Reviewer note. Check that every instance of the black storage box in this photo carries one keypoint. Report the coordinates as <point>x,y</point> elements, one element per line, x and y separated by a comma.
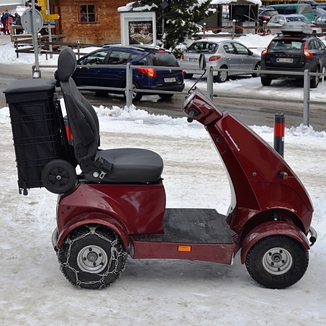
<point>37,128</point>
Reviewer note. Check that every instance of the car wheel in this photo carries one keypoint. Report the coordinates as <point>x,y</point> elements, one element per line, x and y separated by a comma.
<point>314,82</point>
<point>165,96</point>
<point>92,257</point>
<point>136,96</point>
<point>222,76</point>
<point>277,261</point>
<point>257,67</point>
<point>187,76</point>
<point>265,81</point>
<point>58,176</point>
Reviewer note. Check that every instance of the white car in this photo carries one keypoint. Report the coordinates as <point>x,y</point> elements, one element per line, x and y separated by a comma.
<point>276,22</point>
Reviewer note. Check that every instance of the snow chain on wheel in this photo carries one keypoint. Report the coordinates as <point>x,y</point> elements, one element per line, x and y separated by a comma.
<point>92,257</point>
<point>277,261</point>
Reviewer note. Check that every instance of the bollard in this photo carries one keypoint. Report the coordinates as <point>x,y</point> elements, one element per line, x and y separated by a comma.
<point>279,128</point>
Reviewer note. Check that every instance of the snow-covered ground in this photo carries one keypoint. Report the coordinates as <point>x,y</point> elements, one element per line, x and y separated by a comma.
<point>156,292</point>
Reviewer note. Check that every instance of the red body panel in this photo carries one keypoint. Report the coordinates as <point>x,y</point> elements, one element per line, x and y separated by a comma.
<point>220,253</point>
<point>133,209</point>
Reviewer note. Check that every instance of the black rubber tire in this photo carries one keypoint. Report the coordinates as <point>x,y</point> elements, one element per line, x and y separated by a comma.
<point>92,257</point>
<point>265,81</point>
<point>58,176</point>
<point>257,67</point>
<point>222,76</point>
<point>277,261</point>
<point>314,81</point>
<point>136,96</point>
<point>188,76</point>
<point>165,97</point>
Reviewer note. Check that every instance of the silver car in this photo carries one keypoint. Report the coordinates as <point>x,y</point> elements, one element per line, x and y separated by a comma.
<point>276,22</point>
<point>221,54</point>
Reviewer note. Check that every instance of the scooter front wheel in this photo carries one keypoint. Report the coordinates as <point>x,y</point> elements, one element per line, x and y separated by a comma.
<point>277,261</point>
<point>92,257</point>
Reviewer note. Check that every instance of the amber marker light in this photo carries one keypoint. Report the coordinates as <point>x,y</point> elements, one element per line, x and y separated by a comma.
<point>184,248</point>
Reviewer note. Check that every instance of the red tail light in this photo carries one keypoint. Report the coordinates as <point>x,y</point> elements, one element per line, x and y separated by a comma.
<point>264,52</point>
<point>307,53</point>
<point>214,58</point>
<point>150,72</point>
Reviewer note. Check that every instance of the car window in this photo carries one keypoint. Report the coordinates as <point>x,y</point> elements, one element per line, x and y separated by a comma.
<point>164,59</point>
<point>94,58</point>
<point>285,46</point>
<point>228,48</point>
<point>320,45</point>
<point>202,47</point>
<point>118,57</point>
<point>240,49</point>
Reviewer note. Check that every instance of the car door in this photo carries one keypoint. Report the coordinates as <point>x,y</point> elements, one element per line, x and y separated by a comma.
<point>320,52</point>
<point>88,73</point>
<point>231,57</point>
<point>114,75</point>
<point>244,57</point>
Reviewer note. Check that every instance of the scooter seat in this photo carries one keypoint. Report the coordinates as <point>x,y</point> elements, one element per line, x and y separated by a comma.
<point>131,165</point>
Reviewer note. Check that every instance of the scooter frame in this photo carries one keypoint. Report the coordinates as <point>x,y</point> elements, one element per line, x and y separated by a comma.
<point>269,206</point>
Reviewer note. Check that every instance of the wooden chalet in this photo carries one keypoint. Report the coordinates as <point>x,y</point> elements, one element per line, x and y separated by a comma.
<point>88,21</point>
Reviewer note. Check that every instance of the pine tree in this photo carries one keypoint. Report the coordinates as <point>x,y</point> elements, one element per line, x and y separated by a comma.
<point>180,18</point>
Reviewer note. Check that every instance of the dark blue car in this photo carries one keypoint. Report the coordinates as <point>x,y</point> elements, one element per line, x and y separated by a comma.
<point>111,70</point>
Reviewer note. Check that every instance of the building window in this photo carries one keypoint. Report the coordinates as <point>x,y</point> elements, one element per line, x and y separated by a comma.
<point>87,13</point>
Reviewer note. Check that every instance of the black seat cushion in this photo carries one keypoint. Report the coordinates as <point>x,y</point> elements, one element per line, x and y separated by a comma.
<point>132,165</point>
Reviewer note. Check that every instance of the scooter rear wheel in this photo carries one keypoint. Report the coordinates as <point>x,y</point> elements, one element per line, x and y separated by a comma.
<point>92,257</point>
<point>277,261</point>
<point>58,176</point>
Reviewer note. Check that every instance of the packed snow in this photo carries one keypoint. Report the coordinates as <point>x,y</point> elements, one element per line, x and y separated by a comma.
<point>157,292</point>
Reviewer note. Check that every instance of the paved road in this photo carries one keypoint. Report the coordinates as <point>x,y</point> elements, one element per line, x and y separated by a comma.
<point>251,112</point>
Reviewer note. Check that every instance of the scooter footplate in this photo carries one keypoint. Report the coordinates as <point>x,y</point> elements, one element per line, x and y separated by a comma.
<point>192,225</point>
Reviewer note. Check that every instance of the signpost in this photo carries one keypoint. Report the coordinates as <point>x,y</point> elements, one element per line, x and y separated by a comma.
<point>32,22</point>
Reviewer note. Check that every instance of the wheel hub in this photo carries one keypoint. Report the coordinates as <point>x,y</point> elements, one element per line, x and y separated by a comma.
<point>277,261</point>
<point>92,259</point>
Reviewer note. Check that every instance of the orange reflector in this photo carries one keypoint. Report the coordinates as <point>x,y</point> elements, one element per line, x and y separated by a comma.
<point>184,248</point>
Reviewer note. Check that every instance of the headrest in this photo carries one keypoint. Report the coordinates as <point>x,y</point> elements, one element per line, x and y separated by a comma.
<point>66,64</point>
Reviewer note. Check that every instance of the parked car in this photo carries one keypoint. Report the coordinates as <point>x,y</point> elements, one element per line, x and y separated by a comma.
<point>276,22</point>
<point>318,12</point>
<point>111,70</point>
<point>221,54</point>
<point>294,8</point>
<point>321,21</point>
<point>293,51</point>
<point>265,14</point>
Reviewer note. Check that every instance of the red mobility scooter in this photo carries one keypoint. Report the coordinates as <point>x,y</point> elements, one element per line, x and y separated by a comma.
<point>117,206</point>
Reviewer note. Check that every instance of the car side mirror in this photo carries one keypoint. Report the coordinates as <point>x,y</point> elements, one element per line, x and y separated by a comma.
<point>202,62</point>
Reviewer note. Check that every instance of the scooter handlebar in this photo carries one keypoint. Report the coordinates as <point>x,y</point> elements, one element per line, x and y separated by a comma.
<point>191,114</point>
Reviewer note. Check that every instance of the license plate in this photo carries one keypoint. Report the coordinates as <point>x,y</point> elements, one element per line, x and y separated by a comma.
<point>170,80</point>
<point>284,60</point>
<point>193,59</point>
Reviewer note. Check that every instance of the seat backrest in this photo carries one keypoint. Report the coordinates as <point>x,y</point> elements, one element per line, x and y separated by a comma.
<point>82,117</point>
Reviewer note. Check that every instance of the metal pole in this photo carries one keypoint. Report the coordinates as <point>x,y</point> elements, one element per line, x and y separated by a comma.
<point>36,73</point>
<point>306,97</point>
<point>49,28</point>
<point>128,90</point>
<point>233,28</point>
<point>279,128</point>
<point>210,77</point>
